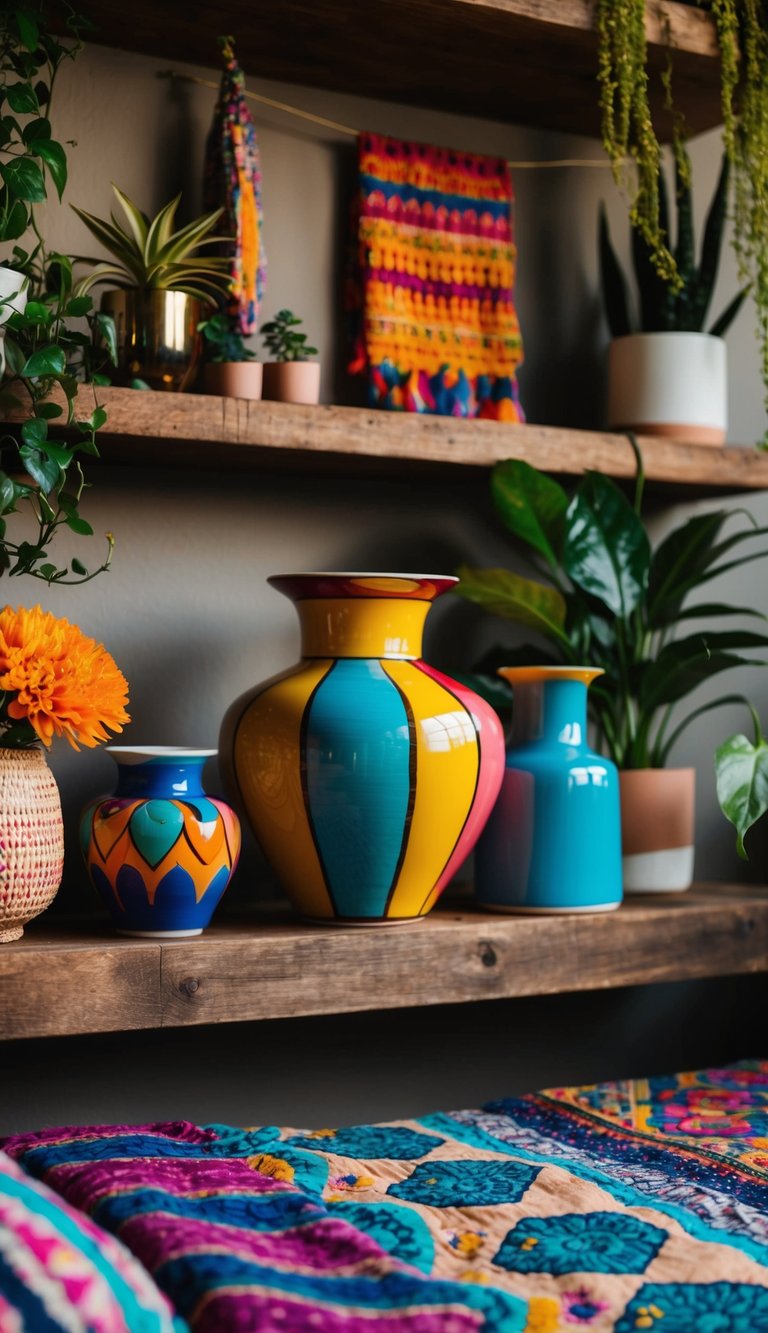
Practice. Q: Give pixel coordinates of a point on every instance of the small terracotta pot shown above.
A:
(292, 381)
(233, 379)
(657, 829)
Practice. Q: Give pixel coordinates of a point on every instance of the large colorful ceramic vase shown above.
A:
(367, 775)
(160, 852)
(553, 842)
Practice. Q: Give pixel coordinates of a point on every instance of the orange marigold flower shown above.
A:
(64, 683)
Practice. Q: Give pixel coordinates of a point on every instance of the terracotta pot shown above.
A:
(292, 381)
(657, 829)
(31, 838)
(157, 337)
(669, 384)
(233, 379)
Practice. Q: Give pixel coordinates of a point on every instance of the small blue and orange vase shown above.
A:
(553, 841)
(159, 851)
(366, 774)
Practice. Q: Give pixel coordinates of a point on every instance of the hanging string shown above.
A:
(353, 133)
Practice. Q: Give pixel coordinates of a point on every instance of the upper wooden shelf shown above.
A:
(201, 431)
(528, 62)
(62, 980)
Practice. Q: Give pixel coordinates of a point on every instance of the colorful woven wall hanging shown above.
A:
(437, 329)
(233, 181)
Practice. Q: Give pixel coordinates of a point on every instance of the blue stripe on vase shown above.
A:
(358, 780)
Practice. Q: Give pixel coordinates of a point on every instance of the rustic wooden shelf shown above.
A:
(63, 980)
(530, 62)
(202, 432)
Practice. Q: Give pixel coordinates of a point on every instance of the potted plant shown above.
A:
(43, 350)
(666, 375)
(231, 369)
(290, 377)
(605, 599)
(160, 289)
(629, 134)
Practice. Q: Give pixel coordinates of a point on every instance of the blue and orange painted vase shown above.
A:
(366, 775)
(160, 852)
(553, 842)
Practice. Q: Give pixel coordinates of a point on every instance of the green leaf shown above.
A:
(97, 419)
(78, 567)
(138, 224)
(37, 313)
(55, 159)
(50, 411)
(58, 452)
(79, 525)
(742, 783)
(29, 33)
(21, 98)
(34, 431)
(108, 333)
(41, 469)
(16, 221)
(40, 128)
(532, 506)
(46, 361)
(613, 282)
(686, 663)
(24, 179)
(77, 306)
(606, 550)
(517, 598)
(13, 355)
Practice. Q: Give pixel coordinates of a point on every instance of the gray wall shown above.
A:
(186, 610)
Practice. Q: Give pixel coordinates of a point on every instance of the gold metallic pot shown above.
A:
(157, 338)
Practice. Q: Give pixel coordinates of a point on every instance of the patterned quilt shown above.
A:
(633, 1205)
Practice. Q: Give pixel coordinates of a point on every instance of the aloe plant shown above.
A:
(603, 597)
(150, 254)
(678, 303)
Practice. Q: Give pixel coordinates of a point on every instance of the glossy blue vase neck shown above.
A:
(173, 779)
(554, 711)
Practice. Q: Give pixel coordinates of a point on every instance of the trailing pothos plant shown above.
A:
(47, 348)
(604, 598)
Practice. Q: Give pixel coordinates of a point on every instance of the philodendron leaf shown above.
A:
(517, 598)
(532, 505)
(742, 783)
(46, 361)
(606, 551)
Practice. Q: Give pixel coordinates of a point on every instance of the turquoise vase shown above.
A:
(553, 841)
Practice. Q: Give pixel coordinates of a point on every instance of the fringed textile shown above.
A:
(437, 329)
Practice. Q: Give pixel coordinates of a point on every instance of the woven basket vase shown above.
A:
(31, 839)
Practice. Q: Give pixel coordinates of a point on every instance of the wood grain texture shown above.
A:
(210, 433)
(529, 62)
(58, 983)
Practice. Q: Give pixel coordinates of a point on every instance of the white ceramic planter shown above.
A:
(672, 385)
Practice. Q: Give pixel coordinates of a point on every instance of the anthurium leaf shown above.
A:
(24, 179)
(606, 551)
(686, 663)
(742, 783)
(45, 361)
(532, 505)
(524, 600)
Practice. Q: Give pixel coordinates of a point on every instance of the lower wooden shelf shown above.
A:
(62, 980)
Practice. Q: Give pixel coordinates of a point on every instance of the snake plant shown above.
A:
(150, 254)
(665, 305)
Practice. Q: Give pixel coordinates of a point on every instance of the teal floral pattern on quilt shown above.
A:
(621, 1207)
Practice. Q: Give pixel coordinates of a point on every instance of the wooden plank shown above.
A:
(531, 62)
(210, 433)
(63, 981)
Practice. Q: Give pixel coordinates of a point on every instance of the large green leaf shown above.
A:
(516, 598)
(742, 783)
(687, 558)
(606, 551)
(40, 467)
(55, 159)
(21, 98)
(24, 179)
(532, 505)
(686, 663)
(45, 361)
